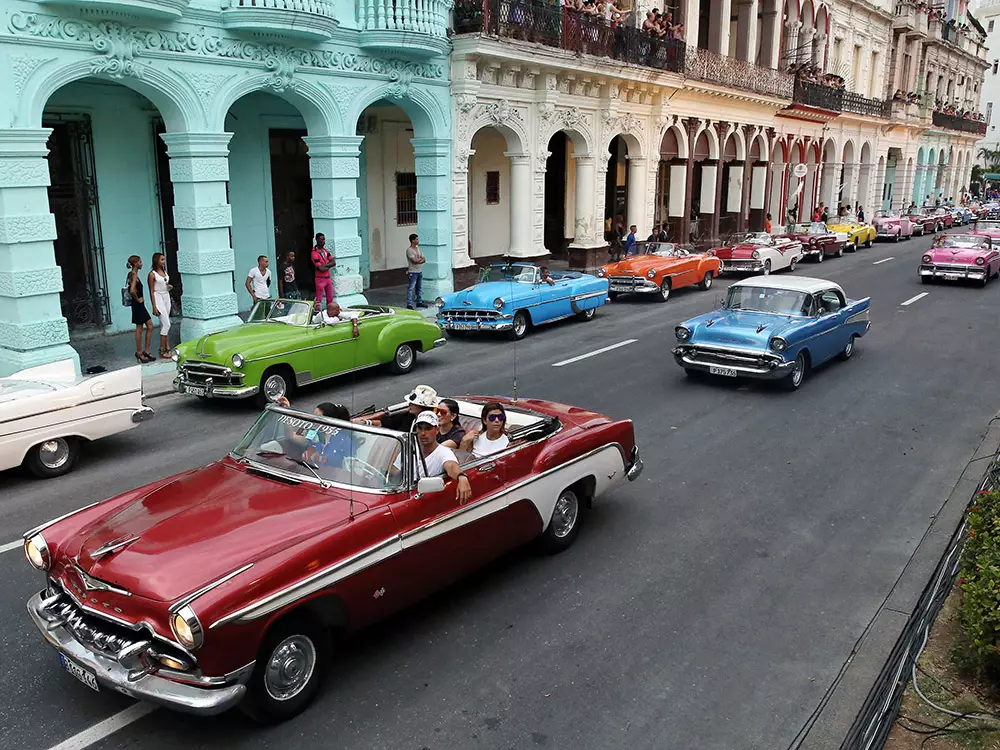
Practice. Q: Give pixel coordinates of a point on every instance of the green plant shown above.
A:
(979, 578)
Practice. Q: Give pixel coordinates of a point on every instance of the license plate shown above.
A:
(728, 372)
(462, 326)
(621, 288)
(194, 390)
(951, 277)
(84, 675)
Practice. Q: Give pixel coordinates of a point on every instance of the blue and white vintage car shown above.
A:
(774, 329)
(513, 297)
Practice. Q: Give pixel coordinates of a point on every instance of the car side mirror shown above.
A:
(430, 485)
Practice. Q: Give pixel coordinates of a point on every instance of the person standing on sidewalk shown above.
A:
(140, 315)
(287, 286)
(323, 261)
(414, 270)
(259, 280)
(160, 286)
(630, 243)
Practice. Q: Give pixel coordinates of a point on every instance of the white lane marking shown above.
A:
(103, 729)
(13, 545)
(595, 352)
(911, 300)
(884, 260)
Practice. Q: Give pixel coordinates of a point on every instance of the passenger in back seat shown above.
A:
(491, 437)
(450, 432)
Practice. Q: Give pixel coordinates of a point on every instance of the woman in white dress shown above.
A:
(491, 437)
(160, 286)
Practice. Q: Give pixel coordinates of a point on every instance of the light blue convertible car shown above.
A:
(774, 329)
(513, 297)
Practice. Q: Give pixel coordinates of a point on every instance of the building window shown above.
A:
(406, 198)
(995, 64)
(492, 188)
(989, 110)
(989, 26)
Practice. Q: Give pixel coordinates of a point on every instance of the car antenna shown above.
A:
(511, 280)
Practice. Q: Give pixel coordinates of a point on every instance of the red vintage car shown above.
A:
(945, 218)
(987, 228)
(219, 586)
(923, 223)
(958, 257)
(818, 242)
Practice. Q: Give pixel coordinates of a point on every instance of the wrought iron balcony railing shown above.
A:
(819, 96)
(862, 105)
(728, 71)
(553, 26)
(308, 19)
(954, 122)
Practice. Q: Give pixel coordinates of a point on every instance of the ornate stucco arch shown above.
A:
(765, 150)
(679, 133)
(502, 116)
(710, 135)
(736, 133)
(315, 103)
(570, 120)
(630, 128)
(426, 112)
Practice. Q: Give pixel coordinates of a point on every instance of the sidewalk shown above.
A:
(117, 351)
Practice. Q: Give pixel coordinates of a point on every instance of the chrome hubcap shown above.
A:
(708, 281)
(53, 453)
(665, 291)
(404, 357)
(850, 347)
(290, 667)
(797, 371)
(564, 515)
(520, 325)
(274, 387)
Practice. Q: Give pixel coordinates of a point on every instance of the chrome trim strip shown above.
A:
(112, 547)
(333, 375)
(31, 532)
(96, 584)
(183, 602)
(73, 405)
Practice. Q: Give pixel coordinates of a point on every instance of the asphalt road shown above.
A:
(708, 605)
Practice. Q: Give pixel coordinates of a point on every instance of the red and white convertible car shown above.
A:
(759, 252)
(220, 586)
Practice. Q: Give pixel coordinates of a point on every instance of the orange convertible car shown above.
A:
(662, 268)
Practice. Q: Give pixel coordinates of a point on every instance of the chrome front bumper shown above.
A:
(480, 325)
(743, 266)
(208, 700)
(636, 285)
(142, 414)
(440, 342)
(764, 367)
(953, 273)
(634, 468)
(213, 391)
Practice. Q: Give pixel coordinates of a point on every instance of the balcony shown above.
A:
(862, 105)
(418, 27)
(710, 67)
(312, 20)
(574, 32)
(817, 96)
(160, 10)
(910, 19)
(953, 122)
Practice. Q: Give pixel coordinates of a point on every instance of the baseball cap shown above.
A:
(426, 417)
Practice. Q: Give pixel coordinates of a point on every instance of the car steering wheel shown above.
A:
(357, 466)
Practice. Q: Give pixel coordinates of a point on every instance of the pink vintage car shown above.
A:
(987, 228)
(891, 225)
(957, 257)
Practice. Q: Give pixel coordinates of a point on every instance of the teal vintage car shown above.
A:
(280, 348)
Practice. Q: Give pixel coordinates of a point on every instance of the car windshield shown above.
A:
(320, 450)
(961, 240)
(815, 227)
(665, 250)
(886, 215)
(766, 299)
(518, 272)
(988, 226)
(290, 312)
(758, 238)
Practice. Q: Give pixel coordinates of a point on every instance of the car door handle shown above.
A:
(486, 467)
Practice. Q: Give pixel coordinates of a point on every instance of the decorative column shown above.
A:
(792, 29)
(691, 125)
(930, 182)
(520, 205)
(199, 170)
(32, 329)
(334, 166)
(746, 25)
(460, 211)
(805, 48)
(586, 177)
(918, 180)
(718, 33)
(757, 194)
(829, 182)
(819, 50)
(691, 18)
(770, 43)
(433, 159)
(637, 192)
(711, 195)
(850, 177)
(774, 204)
(864, 188)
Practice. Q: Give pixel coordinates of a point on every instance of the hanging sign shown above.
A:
(800, 170)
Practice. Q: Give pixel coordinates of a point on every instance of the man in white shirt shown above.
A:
(333, 315)
(259, 280)
(436, 458)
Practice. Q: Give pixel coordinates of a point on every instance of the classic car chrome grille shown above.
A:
(738, 264)
(470, 316)
(197, 373)
(96, 633)
(715, 357)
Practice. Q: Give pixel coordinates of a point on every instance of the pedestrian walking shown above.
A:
(415, 274)
(140, 315)
(258, 281)
(630, 243)
(323, 261)
(861, 214)
(287, 286)
(159, 287)
(767, 224)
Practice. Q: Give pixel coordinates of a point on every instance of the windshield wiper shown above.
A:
(300, 462)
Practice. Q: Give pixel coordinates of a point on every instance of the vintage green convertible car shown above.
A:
(280, 348)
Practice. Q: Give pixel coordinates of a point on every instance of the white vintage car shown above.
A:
(759, 252)
(48, 412)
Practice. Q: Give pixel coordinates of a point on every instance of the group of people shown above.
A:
(662, 26)
(436, 423)
(955, 110)
(159, 286)
(813, 74)
(909, 97)
(605, 9)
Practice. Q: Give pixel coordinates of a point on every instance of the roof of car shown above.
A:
(791, 283)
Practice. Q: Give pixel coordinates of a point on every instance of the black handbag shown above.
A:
(126, 295)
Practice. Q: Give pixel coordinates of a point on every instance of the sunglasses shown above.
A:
(496, 417)
(442, 410)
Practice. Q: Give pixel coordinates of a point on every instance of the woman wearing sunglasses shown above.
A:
(450, 432)
(491, 437)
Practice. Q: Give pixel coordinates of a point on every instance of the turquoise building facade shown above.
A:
(213, 131)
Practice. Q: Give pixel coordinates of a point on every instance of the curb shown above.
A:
(834, 722)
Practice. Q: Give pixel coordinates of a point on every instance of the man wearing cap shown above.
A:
(422, 398)
(436, 458)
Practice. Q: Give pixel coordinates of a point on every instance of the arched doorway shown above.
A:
(830, 181)
(892, 182)
(797, 198)
(940, 179)
(930, 176)
(779, 176)
(491, 190)
(918, 177)
(560, 182)
(703, 183)
(848, 178)
(755, 201)
(811, 191)
(820, 38)
(731, 200)
(865, 178)
(616, 206)
(668, 209)
(792, 32)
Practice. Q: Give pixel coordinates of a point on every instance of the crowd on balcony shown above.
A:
(610, 12)
(813, 74)
(908, 97)
(662, 25)
(955, 111)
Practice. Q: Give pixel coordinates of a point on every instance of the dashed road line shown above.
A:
(105, 728)
(595, 352)
(884, 260)
(913, 299)
(12, 545)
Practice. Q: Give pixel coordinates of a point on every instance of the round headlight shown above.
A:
(779, 344)
(651, 274)
(812, 241)
(439, 302)
(37, 552)
(980, 261)
(756, 255)
(186, 627)
(682, 333)
(498, 303)
(237, 360)
(175, 355)
(926, 259)
(601, 272)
